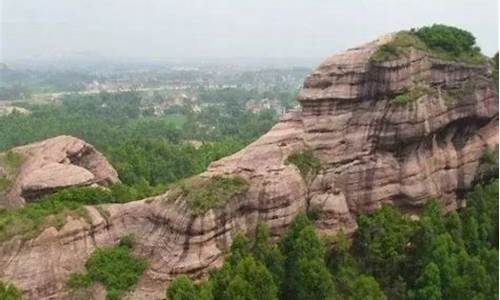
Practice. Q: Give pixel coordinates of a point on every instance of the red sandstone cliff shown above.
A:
(372, 150)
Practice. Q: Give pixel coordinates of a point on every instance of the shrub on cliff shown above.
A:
(398, 47)
(52, 210)
(448, 38)
(203, 194)
(10, 163)
(488, 166)
(412, 94)
(441, 41)
(9, 292)
(114, 267)
(305, 162)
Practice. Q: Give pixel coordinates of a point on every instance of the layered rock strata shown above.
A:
(373, 150)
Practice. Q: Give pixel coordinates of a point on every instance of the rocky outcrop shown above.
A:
(372, 149)
(54, 164)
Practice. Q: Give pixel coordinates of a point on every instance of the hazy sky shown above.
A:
(224, 28)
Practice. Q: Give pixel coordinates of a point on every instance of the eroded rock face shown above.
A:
(54, 164)
(372, 150)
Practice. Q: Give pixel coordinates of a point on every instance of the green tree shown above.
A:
(220, 280)
(428, 284)
(383, 241)
(268, 253)
(312, 279)
(471, 234)
(182, 288)
(205, 291)
(367, 288)
(445, 255)
(454, 227)
(259, 278)
(240, 249)
(448, 38)
(342, 264)
(248, 280)
(306, 273)
(239, 289)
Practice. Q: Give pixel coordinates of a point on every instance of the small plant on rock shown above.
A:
(305, 162)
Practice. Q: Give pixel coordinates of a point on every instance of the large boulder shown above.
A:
(38, 169)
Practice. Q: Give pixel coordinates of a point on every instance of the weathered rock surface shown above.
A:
(54, 164)
(373, 151)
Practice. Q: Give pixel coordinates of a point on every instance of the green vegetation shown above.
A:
(182, 289)
(460, 91)
(114, 267)
(306, 274)
(441, 41)
(5, 183)
(450, 255)
(127, 241)
(305, 162)
(28, 221)
(10, 162)
(412, 94)
(17, 84)
(488, 166)
(391, 256)
(245, 275)
(465, 89)
(449, 39)
(149, 153)
(258, 269)
(79, 280)
(203, 194)
(398, 47)
(9, 292)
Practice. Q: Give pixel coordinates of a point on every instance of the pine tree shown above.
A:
(367, 288)
(428, 284)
